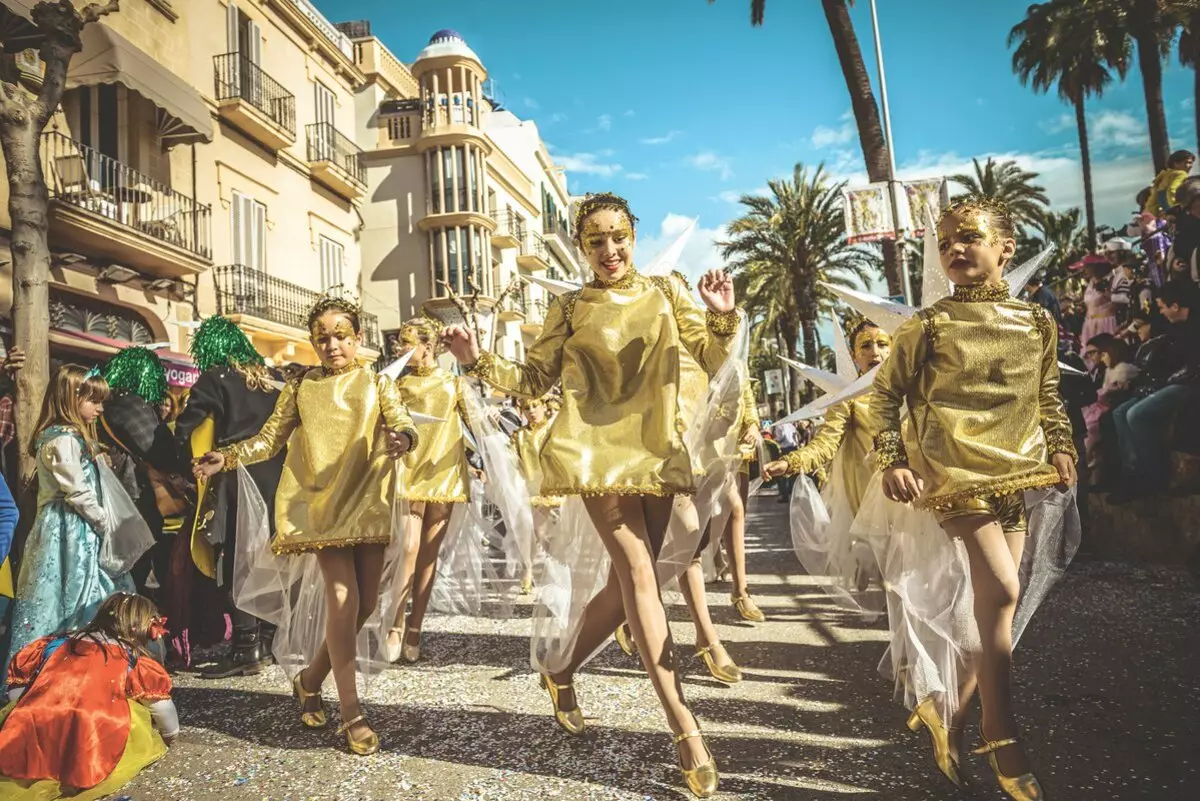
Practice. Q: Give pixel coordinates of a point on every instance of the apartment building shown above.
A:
(462, 195)
(202, 161)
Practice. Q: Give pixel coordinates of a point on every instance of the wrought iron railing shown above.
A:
(244, 290)
(510, 223)
(515, 302)
(81, 176)
(539, 311)
(534, 245)
(237, 76)
(556, 225)
(326, 143)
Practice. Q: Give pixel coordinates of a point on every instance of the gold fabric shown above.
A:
(617, 351)
(528, 443)
(750, 422)
(436, 470)
(338, 482)
(847, 428)
(1008, 509)
(979, 372)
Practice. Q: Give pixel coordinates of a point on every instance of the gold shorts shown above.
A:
(1009, 510)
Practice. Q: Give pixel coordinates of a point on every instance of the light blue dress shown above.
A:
(61, 584)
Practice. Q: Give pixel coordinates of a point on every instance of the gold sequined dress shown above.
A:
(436, 470)
(616, 347)
(750, 423)
(528, 443)
(338, 482)
(979, 371)
(845, 435)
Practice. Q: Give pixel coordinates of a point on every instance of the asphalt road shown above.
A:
(1108, 692)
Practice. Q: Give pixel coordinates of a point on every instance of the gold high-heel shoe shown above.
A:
(572, 721)
(365, 747)
(747, 608)
(730, 674)
(393, 651)
(1019, 788)
(410, 653)
(702, 780)
(926, 715)
(625, 640)
(527, 586)
(313, 720)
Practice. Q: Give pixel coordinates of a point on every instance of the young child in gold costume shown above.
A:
(988, 442)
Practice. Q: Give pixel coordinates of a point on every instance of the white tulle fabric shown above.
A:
(289, 591)
(824, 541)
(574, 565)
(933, 636)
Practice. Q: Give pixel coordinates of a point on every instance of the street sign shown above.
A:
(774, 381)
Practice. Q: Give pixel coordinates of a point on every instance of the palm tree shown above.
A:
(1007, 182)
(783, 246)
(1189, 56)
(1151, 24)
(866, 110)
(1063, 231)
(1065, 43)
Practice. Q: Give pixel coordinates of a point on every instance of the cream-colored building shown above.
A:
(203, 161)
(461, 194)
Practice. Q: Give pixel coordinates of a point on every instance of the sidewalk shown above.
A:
(1107, 678)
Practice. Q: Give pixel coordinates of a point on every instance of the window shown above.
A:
(323, 115)
(332, 256)
(249, 229)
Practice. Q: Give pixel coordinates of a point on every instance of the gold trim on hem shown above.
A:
(595, 490)
(1003, 486)
(435, 499)
(291, 549)
(545, 503)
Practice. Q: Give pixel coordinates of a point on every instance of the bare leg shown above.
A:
(350, 598)
(412, 530)
(691, 584)
(735, 536)
(437, 518)
(994, 558)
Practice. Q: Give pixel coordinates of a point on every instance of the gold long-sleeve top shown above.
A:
(528, 443)
(750, 422)
(979, 371)
(338, 481)
(845, 432)
(693, 398)
(436, 470)
(616, 346)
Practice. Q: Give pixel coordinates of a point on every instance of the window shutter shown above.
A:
(231, 26)
(254, 35)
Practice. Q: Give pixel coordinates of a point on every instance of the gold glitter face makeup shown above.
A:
(596, 233)
(606, 237)
(334, 339)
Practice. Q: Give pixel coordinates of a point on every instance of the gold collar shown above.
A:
(982, 293)
(629, 279)
(341, 370)
(424, 372)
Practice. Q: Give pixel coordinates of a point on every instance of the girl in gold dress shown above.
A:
(527, 444)
(436, 479)
(733, 537)
(617, 444)
(988, 442)
(334, 501)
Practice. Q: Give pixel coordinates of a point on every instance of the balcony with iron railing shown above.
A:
(510, 229)
(534, 255)
(335, 160)
(535, 316)
(102, 207)
(243, 290)
(558, 235)
(513, 309)
(253, 101)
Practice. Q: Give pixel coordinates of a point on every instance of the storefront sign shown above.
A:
(181, 375)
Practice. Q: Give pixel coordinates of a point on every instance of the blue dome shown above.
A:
(445, 34)
(447, 42)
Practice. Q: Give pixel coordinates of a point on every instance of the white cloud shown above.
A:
(1118, 128)
(587, 164)
(636, 176)
(699, 256)
(531, 103)
(669, 136)
(709, 161)
(604, 122)
(1056, 125)
(735, 195)
(825, 136)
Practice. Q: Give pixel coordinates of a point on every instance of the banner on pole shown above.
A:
(922, 200)
(868, 211)
(774, 381)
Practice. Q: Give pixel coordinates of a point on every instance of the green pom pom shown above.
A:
(218, 342)
(139, 371)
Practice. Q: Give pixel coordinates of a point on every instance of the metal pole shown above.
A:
(905, 284)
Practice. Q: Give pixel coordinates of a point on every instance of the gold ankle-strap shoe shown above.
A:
(926, 715)
(313, 720)
(364, 747)
(746, 607)
(410, 653)
(572, 720)
(625, 639)
(1019, 788)
(703, 779)
(730, 674)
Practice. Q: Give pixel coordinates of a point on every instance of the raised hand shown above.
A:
(716, 290)
(461, 341)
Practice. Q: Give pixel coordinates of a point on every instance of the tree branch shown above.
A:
(61, 24)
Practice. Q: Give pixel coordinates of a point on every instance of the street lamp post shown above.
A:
(901, 255)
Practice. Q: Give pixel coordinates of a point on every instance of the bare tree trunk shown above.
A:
(22, 120)
(1150, 63)
(866, 115)
(1085, 158)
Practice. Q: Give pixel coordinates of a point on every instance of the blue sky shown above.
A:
(681, 106)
